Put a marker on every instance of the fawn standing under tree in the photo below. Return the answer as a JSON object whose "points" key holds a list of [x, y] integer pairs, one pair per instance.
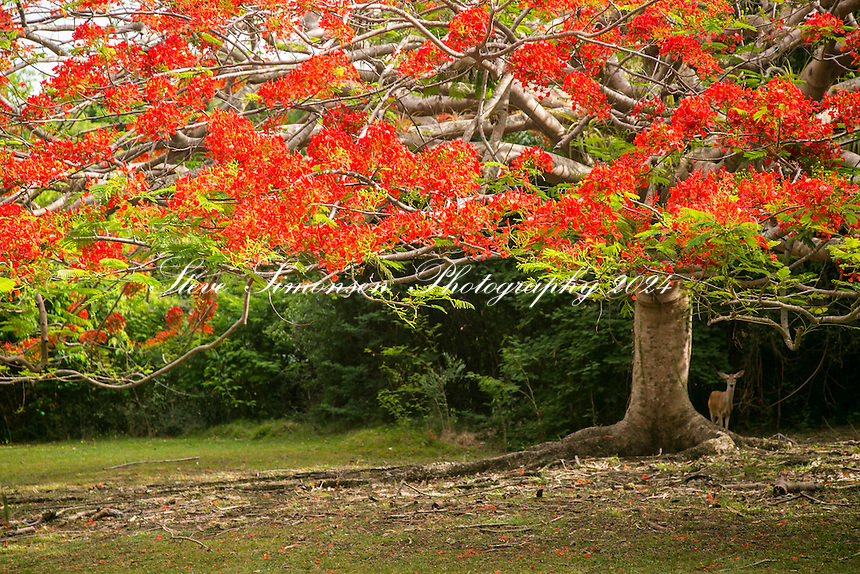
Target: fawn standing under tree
{"points": [[720, 402]]}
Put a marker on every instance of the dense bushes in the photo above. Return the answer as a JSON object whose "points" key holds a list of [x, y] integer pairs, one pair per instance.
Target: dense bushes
{"points": [[519, 371]]}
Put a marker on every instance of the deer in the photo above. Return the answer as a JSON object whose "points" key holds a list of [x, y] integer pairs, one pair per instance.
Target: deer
{"points": [[720, 402]]}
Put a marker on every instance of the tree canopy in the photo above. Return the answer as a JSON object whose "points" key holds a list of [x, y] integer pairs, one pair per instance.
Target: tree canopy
{"points": [[186, 146]]}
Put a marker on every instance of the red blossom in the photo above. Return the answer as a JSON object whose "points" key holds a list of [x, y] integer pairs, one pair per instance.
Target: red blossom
{"points": [[320, 75], [820, 26], [205, 305], [345, 119], [174, 317], [76, 77], [422, 60], [533, 158], [26, 239], [844, 109], [336, 27], [129, 290], [122, 98], [468, 28], [92, 336], [538, 63], [90, 33], [694, 117], [92, 255], [585, 94], [160, 121], [690, 51]]}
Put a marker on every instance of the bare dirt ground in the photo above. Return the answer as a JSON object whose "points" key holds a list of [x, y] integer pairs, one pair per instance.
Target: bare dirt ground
{"points": [[786, 510]]}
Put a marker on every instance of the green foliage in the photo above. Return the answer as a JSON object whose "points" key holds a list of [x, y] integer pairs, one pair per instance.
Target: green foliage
{"points": [[338, 339], [519, 369], [403, 367], [502, 395], [244, 429], [534, 366], [571, 367], [422, 381], [256, 373]]}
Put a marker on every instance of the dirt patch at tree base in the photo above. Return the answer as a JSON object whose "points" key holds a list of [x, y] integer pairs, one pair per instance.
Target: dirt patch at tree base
{"points": [[711, 514]]}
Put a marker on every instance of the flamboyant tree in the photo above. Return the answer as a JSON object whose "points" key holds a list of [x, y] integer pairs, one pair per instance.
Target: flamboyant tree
{"points": [[674, 151]]}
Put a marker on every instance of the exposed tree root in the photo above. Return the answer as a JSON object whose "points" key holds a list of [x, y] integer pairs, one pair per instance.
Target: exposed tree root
{"points": [[620, 439]]}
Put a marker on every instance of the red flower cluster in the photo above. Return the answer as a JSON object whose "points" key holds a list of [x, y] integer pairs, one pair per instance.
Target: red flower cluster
{"points": [[468, 28], [843, 109], [776, 116], [92, 254], [174, 319], [690, 51], [820, 26], [422, 61], [90, 33], [345, 119], [172, 53], [114, 323], [533, 158], [160, 121], [205, 305], [79, 77], [585, 94], [52, 160], [26, 240], [342, 201], [538, 63], [198, 320], [775, 121], [319, 76], [336, 27], [122, 98], [733, 200]]}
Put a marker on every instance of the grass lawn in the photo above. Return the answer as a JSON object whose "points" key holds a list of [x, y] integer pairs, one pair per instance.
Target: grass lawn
{"points": [[280, 498], [226, 449]]}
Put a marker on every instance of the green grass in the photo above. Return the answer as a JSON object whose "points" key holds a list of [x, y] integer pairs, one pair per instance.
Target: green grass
{"points": [[239, 509], [230, 448]]}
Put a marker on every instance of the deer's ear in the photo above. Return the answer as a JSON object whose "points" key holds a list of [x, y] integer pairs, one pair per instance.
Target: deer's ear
{"points": [[739, 373], [723, 375]]}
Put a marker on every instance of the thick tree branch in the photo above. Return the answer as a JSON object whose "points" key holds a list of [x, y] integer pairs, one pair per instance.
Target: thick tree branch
{"points": [[431, 134], [819, 75], [546, 122], [564, 170]]}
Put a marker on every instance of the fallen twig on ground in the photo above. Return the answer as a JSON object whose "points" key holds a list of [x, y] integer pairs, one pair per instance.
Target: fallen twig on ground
{"points": [[151, 462], [174, 536]]}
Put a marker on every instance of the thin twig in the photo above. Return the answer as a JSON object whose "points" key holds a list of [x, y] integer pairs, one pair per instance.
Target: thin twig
{"points": [[151, 462], [406, 484], [755, 563], [819, 501], [180, 537]]}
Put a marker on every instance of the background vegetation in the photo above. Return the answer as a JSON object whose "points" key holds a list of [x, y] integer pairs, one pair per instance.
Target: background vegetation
{"points": [[515, 372]]}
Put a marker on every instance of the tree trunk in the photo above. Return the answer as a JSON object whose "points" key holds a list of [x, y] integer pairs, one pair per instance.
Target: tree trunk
{"points": [[660, 417]]}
